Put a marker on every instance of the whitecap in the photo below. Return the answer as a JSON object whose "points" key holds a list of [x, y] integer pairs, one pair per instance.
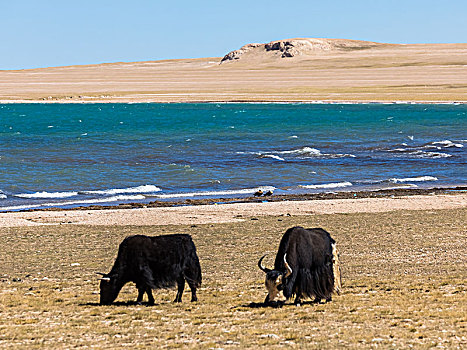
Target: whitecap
{"points": [[43, 194], [329, 185], [434, 155], [414, 179], [2, 196], [272, 156], [138, 189], [78, 202], [447, 144], [403, 187], [216, 193], [398, 150], [310, 152], [303, 150], [338, 155]]}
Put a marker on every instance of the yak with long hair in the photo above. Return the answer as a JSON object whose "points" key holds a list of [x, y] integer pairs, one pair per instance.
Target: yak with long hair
{"points": [[151, 263], [306, 266]]}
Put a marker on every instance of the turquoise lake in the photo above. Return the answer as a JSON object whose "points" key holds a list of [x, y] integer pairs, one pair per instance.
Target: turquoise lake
{"points": [[78, 154]]}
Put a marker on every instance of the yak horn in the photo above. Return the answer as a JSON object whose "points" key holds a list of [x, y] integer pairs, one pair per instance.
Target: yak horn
{"points": [[289, 270], [104, 276], [260, 265]]}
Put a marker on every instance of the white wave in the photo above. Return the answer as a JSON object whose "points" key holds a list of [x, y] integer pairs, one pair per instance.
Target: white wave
{"points": [[216, 193], [447, 144], [306, 152], [303, 150], [338, 155], [272, 156], [313, 152], [329, 185], [2, 196], [421, 154], [414, 179], [403, 187], [78, 202], [138, 189], [434, 155], [41, 195]]}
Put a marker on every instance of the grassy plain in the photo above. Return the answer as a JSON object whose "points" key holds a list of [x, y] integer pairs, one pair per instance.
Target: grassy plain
{"points": [[404, 279]]}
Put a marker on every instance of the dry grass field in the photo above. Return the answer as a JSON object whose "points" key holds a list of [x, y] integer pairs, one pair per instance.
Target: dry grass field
{"points": [[404, 279], [383, 72]]}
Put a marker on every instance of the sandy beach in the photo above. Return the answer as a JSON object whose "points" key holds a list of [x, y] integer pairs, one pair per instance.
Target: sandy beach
{"points": [[361, 72], [224, 213]]}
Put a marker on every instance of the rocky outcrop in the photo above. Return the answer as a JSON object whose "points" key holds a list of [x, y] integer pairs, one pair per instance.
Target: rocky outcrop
{"points": [[292, 48], [236, 54], [297, 47]]}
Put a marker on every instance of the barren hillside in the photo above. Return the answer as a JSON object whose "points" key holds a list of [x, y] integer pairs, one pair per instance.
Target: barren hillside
{"points": [[286, 70]]}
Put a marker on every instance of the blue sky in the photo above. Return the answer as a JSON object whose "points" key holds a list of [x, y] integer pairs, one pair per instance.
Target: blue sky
{"points": [[44, 33]]}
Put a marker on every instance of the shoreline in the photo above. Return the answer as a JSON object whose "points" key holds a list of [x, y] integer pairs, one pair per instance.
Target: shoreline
{"points": [[218, 212], [210, 200], [130, 101]]}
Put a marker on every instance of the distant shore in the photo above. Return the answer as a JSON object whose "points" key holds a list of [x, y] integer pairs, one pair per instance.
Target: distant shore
{"points": [[419, 73], [71, 101]]}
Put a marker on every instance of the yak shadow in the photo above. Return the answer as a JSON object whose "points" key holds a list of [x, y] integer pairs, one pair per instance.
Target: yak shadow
{"points": [[274, 304], [280, 304], [121, 303]]}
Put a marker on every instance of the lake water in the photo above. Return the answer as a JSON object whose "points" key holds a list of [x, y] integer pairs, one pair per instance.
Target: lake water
{"points": [[79, 154]]}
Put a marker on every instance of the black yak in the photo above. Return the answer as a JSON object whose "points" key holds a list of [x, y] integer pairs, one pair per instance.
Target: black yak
{"points": [[153, 263], [306, 266]]}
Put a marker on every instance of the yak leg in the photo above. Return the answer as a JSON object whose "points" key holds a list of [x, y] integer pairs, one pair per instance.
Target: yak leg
{"points": [[148, 291], [193, 291], [150, 296], [181, 287], [141, 291]]}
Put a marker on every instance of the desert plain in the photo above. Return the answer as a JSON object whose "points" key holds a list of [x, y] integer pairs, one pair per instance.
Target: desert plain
{"points": [[295, 70]]}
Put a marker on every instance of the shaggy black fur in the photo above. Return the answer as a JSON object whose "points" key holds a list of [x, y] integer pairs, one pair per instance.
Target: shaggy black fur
{"points": [[153, 263], [309, 254]]}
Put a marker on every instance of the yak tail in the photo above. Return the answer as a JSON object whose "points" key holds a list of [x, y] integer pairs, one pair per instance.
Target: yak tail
{"points": [[336, 270], [192, 273]]}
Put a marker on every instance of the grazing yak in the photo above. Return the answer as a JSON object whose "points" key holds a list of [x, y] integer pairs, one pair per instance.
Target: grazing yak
{"points": [[153, 263], [306, 266]]}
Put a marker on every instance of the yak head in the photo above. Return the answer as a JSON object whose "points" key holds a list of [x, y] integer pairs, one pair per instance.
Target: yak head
{"points": [[274, 279], [109, 288]]}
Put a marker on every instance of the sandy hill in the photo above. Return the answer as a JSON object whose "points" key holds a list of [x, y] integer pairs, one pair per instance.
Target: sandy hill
{"points": [[296, 48], [304, 69]]}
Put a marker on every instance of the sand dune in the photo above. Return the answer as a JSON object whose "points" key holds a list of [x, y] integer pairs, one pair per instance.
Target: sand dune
{"points": [[290, 70]]}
